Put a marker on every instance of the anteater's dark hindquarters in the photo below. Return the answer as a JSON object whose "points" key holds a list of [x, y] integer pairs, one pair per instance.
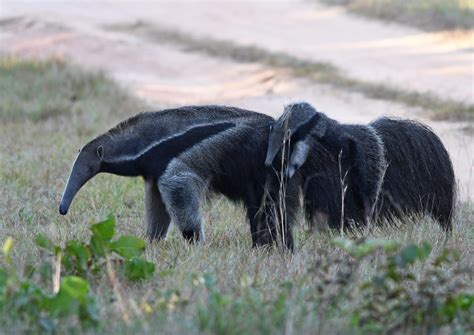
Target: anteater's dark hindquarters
{"points": [[419, 177]]}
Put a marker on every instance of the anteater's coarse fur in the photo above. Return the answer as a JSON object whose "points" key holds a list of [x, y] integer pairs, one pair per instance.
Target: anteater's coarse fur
{"points": [[385, 170], [184, 154]]}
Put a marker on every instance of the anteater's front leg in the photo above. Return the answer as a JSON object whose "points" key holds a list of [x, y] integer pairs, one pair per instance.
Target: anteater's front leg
{"points": [[156, 217], [181, 190]]}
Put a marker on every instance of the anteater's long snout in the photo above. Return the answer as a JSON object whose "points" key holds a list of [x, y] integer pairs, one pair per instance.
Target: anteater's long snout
{"points": [[270, 157], [80, 174], [274, 145], [63, 208]]}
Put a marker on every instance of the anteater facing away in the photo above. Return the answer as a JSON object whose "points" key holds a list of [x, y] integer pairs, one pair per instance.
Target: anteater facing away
{"points": [[385, 170]]}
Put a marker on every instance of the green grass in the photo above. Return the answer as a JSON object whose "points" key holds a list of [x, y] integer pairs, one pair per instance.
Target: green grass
{"points": [[424, 14], [220, 287], [37, 90], [321, 72]]}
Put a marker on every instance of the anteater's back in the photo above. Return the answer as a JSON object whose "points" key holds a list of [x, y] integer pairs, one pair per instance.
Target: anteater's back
{"points": [[168, 122]]}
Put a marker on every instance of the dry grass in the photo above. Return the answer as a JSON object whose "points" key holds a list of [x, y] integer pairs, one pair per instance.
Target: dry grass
{"points": [[221, 287], [425, 14], [321, 72]]}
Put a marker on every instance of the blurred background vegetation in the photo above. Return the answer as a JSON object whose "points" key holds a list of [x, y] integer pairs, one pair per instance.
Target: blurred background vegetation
{"points": [[424, 14]]}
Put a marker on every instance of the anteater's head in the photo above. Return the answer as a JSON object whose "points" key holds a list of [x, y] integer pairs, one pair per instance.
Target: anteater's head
{"points": [[86, 166], [294, 126]]}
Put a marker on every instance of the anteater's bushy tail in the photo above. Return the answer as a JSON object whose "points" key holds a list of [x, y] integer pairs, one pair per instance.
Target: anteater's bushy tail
{"points": [[419, 176]]}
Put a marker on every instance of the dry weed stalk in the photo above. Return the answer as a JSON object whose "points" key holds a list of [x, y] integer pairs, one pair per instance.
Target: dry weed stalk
{"points": [[57, 274], [342, 180]]}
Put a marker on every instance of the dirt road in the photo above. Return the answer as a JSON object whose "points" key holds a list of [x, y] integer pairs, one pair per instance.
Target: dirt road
{"points": [[439, 62], [170, 76]]}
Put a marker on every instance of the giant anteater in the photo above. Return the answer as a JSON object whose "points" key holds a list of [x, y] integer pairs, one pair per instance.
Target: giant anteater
{"points": [[182, 154], [385, 170]]}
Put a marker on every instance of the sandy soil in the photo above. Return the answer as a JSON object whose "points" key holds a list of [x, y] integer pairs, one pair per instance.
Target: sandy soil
{"points": [[170, 76], [439, 62]]}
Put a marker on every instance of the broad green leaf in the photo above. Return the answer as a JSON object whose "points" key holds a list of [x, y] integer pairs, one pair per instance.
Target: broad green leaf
{"points": [[76, 256], [72, 299], [102, 233], [128, 246], [138, 268], [105, 229], [43, 242], [60, 304], [98, 246], [72, 292], [412, 253], [74, 286]]}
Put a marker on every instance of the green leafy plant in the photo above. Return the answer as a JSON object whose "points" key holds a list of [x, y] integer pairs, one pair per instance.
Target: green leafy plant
{"points": [[22, 299], [26, 301], [398, 297], [83, 258], [244, 312]]}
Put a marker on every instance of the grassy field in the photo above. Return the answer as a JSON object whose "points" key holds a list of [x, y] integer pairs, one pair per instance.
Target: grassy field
{"points": [[221, 287], [424, 14], [437, 107]]}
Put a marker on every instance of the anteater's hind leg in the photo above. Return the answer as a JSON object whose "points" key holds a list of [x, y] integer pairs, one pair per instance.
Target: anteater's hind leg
{"points": [[156, 217], [181, 190]]}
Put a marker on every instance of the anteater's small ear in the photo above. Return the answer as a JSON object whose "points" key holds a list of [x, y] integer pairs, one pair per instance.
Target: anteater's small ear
{"points": [[100, 152], [349, 147], [320, 128]]}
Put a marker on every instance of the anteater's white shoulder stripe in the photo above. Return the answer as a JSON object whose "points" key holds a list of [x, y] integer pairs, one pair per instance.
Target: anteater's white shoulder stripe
{"points": [[126, 158]]}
